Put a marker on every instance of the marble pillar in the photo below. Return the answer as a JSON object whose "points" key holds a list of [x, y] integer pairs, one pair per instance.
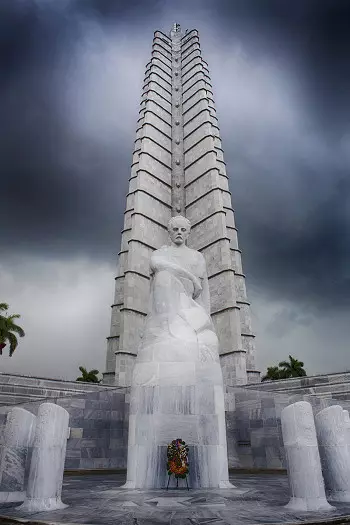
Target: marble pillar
{"points": [[177, 384], [303, 459], [17, 439], [332, 440], [48, 457]]}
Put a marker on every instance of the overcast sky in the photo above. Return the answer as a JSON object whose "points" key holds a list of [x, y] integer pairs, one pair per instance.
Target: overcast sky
{"points": [[71, 74]]}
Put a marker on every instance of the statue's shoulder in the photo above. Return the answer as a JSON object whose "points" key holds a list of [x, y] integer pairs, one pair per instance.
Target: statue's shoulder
{"points": [[162, 249], [196, 254]]}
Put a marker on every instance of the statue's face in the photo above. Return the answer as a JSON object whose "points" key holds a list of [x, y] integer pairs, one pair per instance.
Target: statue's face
{"points": [[179, 231]]}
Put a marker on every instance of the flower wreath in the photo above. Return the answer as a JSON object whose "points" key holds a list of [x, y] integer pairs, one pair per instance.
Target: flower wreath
{"points": [[177, 455]]}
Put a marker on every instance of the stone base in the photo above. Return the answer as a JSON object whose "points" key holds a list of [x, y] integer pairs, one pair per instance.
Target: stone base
{"points": [[42, 505], [309, 505], [129, 485], [226, 485]]}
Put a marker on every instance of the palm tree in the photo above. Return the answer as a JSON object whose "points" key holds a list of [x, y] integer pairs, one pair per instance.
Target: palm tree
{"points": [[8, 329], [293, 367], [273, 374], [88, 377]]}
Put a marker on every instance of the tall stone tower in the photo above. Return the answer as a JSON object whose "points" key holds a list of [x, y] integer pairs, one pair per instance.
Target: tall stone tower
{"points": [[178, 168]]}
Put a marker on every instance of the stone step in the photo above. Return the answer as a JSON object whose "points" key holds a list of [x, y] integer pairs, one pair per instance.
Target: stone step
{"points": [[15, 399], [17, 389], [332, 388], [58, 384], [39, 391], [301, 382]]}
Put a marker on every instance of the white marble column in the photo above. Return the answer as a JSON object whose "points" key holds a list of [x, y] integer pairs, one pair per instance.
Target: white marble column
{"points": [[303, 459], [47, 464], [17, 438], [332, 439]]}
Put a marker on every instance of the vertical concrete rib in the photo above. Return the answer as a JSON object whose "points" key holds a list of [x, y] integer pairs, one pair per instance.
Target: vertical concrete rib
{"points": [[178, 168], [205, 189], [178, 177], [247, 335], [149, 205]]}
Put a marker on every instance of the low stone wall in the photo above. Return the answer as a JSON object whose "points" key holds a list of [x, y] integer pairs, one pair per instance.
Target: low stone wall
{"points": [[332, 386], [17, 389], [253, 423], [99, 426]]}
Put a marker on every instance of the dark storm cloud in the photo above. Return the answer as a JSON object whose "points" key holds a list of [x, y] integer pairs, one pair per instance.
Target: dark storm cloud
{"points": [[293, 218], [310, 37], [71, 76], [61, 181], [293, 197]]}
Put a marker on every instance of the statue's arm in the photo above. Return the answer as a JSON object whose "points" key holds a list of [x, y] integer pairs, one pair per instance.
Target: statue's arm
{"points": [[159, 263]]}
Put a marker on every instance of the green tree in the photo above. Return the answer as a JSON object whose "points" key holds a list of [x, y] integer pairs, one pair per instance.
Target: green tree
{"points": [[273, 374], [293, 367], [9, 329], [88, 377]]}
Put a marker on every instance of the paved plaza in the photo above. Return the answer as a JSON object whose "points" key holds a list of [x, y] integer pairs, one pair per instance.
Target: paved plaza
{"points": [[95, 499]]}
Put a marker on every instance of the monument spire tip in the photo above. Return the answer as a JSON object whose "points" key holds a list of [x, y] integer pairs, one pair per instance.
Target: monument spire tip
{"points": [[175, 30]]}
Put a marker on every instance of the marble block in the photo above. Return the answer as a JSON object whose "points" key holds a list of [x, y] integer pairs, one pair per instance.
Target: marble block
{"points": [[332, 438], [47, 463], [177, 384], [303, 459], [17, 438]]}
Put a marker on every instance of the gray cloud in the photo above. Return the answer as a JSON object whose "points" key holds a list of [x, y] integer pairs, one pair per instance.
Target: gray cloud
{"points": [[65, 309], [71, 76], [310, 38]]}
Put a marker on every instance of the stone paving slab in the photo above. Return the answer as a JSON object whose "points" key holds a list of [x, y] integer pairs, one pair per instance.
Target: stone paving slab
{"points": [[257, 499]]}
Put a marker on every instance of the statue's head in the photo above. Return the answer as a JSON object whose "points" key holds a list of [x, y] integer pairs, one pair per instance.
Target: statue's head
{"points": [[179, 229]]}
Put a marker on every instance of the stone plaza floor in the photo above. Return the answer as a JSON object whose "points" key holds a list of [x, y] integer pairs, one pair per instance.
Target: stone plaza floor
{"points": [[95, 499]]}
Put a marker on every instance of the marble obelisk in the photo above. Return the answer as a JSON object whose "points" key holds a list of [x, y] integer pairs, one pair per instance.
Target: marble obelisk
{"points": [[178, 168]]}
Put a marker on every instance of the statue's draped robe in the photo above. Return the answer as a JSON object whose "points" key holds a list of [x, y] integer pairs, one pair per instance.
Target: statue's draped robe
{"points": [[177, 386]]}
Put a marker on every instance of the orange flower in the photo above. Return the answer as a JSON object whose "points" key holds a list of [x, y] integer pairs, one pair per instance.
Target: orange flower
{"points": [[177, 467]]}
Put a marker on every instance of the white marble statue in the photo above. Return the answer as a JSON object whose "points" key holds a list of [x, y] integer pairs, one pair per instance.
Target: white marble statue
{"points": [[177, 385], [303, 459], [332, 439]]}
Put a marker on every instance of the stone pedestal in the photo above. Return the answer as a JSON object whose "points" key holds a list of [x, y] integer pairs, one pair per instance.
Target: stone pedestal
{"points": [[17, 438], [172, 400], [47, 464], [303, 459], [332, 439]]}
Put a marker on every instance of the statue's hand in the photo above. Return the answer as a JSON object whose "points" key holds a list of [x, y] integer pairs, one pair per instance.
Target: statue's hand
{"points": [[197, 288]]}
